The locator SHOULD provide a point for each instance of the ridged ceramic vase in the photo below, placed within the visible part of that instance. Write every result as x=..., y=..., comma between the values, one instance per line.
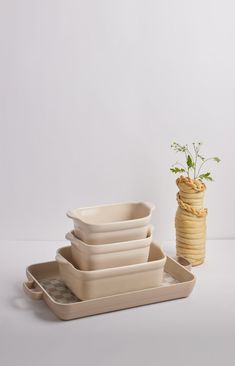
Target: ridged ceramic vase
x=190, y=220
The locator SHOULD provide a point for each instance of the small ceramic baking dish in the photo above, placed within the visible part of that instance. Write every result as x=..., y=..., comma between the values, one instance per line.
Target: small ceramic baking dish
x=92, y=257
x=106, y=282
x=112, y=223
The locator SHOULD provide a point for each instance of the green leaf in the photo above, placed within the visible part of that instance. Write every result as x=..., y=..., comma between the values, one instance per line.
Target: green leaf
x=216, y=159
x=177, y=170
x=190, y=162
x=206, y=176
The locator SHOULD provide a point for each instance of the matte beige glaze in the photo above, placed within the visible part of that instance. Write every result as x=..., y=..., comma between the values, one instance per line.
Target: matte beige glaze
x=92, y=257
x=38, y=272
x=111, y=281
x=112, y=223
x=190, y=229
x=184, y=262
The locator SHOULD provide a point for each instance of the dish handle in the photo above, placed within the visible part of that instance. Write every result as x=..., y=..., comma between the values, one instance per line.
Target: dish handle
x=71, y=215
x=150, y=205
x=30, y=290
x=69, y=236
x=60, y=259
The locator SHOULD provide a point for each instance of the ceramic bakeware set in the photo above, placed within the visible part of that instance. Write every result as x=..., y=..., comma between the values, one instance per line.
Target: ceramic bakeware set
x=112, y=263
x=93, y=257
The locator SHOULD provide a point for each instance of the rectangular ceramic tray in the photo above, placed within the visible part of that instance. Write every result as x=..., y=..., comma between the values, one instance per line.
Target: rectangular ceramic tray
x=44, y=282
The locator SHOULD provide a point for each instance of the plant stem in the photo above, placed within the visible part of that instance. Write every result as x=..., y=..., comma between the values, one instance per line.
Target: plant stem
x=187, y=166
x=196, y=150
x=200, y=167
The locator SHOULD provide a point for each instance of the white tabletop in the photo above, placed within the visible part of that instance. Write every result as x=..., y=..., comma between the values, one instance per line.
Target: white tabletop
x=197, y=330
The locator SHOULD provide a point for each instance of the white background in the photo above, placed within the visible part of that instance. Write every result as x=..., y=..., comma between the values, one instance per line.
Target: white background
x=92, y=95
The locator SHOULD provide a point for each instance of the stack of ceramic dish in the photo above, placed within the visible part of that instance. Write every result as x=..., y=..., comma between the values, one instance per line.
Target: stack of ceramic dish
x=111, y=251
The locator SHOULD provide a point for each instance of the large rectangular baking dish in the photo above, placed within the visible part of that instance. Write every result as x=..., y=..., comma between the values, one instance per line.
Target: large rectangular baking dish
x=112, y=223
x=92, y=257
x=89, y=285
x=44, y=282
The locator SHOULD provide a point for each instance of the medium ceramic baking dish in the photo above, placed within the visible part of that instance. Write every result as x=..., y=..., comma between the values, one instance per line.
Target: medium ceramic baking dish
x=111, y=281
x=112, y=223
x=92, y=257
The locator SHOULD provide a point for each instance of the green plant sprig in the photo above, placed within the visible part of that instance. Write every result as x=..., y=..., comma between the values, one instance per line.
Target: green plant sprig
x=193, y=168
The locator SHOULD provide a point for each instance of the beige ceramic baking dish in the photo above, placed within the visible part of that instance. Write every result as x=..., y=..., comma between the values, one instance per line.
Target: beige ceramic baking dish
x=112, y=223
x=92, y=257
x=111, y=281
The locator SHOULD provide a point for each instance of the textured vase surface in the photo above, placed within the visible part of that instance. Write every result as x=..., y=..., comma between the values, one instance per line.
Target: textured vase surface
x=190, y=220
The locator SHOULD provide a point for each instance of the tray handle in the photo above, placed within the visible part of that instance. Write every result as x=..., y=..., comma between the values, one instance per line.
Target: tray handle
x=29, y=289
x=184, y=262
